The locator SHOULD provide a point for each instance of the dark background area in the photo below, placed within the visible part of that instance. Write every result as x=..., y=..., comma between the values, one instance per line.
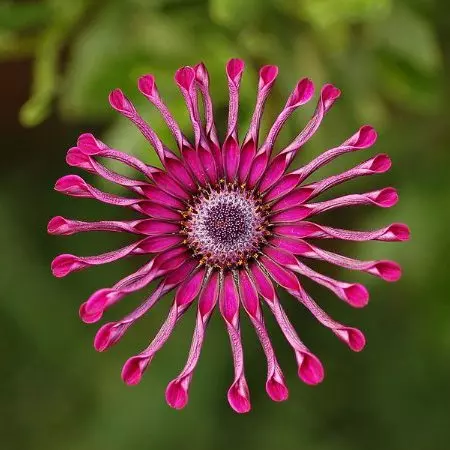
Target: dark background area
x=58, y=62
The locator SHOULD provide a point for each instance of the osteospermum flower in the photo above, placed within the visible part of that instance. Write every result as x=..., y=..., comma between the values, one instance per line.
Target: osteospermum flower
x=224, y=223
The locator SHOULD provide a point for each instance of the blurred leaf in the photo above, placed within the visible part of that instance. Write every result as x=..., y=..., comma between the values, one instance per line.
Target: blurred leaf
x=17, y=16
x=14, y=46
x=45, y=76
x=410, y=37
x=325, y=13
x=236, y=13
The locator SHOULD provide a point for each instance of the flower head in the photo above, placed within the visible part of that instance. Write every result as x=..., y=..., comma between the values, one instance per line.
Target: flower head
x=223, y=223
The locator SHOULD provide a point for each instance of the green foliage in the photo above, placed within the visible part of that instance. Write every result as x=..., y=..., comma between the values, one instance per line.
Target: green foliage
x=109, y=43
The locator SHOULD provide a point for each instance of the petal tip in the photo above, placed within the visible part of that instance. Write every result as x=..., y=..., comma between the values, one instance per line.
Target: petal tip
x=357, y=295
x=311, y=370
x=268, y=74
x=176, y=395
x=76, y=158
x=239, y=401
x=389, y=270
x=330, y=93
x=88, y=144
x=381, y=163
x=147, y=86
x=366, y=136
x=57, y=225
x=235, y=68
x=70, y=184
x=400, y=231
x=104, y=337
x=63, y=264
x=133, y=370
x=353, y=337
x=302, y=93
x=277, y=390
x=387, y=197
x=89, y=317
x=184, y=77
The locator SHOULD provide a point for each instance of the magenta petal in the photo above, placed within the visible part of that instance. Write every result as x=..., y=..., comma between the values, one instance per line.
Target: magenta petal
x=364, y=138
x=329, y=94
x=249, y=295
x=156, y=227
x=292, y=214
x=108, y=335
x=93, y=308
x=134, y=368
x=187, y=292
x=388, y=270
x=300, y=230
x=171, y=259
x=274, y=172
x=146, y=85
x=280, y=256
x=179, y=172
x=159, y=196
x=397, y=231
x=292, y=199
x=295, y=246
x=158, y=211
x=72, y=185
x=353, y=337
x=277, y=389
x=177, y=390
x=76, y=158
x=120, y=103
x=89, y=145
x=192, y=159
x=385, y=198
x=176, y=395
x=239, y=397
x=392, y=233
x=357, y=295
x=185, y=77
x=302, y=93
x=59, y=225
x=88, y=317
x=156, y=244
x=64, y=264
x=208, y=297
x=282, y=276
x=267, y=76
x=165, y=182
x=310, y=369
x=380, y=163
x=235, y=68
x=209, y=164
x=229, y=304
x=246, y=158
x=282, y=187
x=258, y=167
x=177, y=276
x=65, y=227
x=231, y=153
x=265, y=287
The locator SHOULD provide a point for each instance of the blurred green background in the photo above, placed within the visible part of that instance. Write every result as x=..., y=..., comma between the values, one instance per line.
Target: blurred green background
x=58, y=61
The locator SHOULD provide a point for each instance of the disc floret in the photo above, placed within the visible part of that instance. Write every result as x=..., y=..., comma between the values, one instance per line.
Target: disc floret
x=225, y=225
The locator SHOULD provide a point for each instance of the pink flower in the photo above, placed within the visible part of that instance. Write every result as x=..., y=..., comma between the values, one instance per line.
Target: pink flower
x=223, y=223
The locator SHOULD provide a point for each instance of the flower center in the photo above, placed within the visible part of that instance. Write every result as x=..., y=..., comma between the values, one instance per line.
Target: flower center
x=225, y=225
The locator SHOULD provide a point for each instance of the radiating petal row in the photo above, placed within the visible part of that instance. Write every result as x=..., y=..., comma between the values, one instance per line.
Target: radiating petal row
x=166, y=198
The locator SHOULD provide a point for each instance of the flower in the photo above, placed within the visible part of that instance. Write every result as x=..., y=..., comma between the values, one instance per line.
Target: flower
x=224, y=223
